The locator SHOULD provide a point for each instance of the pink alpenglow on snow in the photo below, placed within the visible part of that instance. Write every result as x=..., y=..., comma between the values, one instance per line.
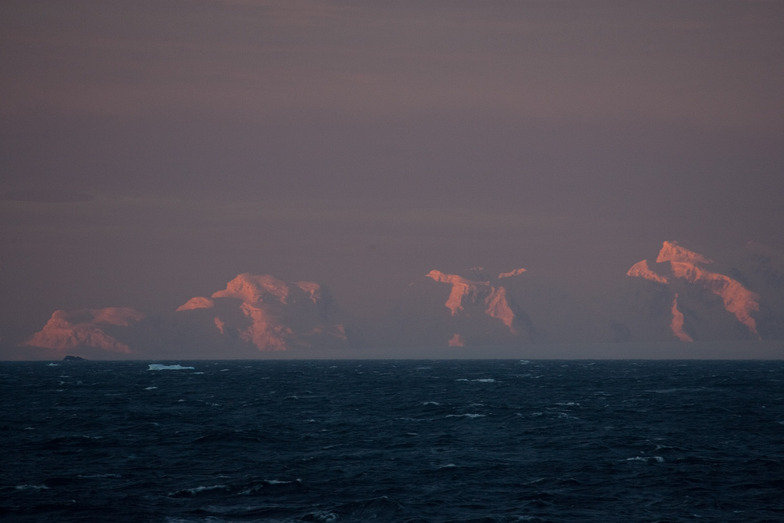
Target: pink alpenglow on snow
x=738, y=300
x=462, y=288
x=684, y=265
x=273, y=315
x=198, y=302
x=672, y=252
x=456, y=341
x=68, y=330
x=677, y=321
x=466, y=292
x=509, y=274
x=253, y=288
x=641, y=270
x=253, y=313
x=498, y=307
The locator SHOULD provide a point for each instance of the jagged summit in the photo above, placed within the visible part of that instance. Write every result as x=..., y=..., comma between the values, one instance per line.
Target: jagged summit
x=512, y=273
x=86, y=328
x=255, y=288
x=676, y=294
x=671, y=251
x=677, y=267
x=253, y=312
x=473, y=298
x=271, y=314
x=641, y=269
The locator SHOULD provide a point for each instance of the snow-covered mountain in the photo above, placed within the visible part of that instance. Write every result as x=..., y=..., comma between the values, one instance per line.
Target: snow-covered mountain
x=93, y=328
x=473, y=301
x=697, y=302
x=254, y=313
x=678, y=295
x=270, y=314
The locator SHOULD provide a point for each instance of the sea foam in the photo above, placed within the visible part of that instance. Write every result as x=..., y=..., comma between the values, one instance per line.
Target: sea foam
x=158, y=366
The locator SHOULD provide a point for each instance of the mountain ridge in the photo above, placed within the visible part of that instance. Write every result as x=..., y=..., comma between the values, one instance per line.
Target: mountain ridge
x=680, y=295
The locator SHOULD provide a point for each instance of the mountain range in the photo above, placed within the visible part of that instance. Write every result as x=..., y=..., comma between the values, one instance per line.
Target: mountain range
x=679, y=295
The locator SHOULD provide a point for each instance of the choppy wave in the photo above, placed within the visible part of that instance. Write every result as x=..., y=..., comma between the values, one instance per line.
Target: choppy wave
x=159, y=366
x=393, y=441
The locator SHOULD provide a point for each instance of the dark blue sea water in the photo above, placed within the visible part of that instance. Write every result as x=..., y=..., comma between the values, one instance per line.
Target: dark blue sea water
x=392, y=441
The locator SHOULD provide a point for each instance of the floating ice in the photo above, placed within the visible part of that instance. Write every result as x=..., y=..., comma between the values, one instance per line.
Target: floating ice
x=158, y=366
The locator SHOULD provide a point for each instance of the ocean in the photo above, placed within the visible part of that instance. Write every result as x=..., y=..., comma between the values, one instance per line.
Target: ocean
x=402, y=441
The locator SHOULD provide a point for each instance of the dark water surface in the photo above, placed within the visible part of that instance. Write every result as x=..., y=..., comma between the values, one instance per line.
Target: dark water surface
x=393, y=441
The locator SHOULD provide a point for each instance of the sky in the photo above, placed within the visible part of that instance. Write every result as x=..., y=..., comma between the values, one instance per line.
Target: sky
x=150, y=151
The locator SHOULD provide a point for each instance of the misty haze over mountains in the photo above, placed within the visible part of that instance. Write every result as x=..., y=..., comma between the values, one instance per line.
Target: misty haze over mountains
x=677, y=296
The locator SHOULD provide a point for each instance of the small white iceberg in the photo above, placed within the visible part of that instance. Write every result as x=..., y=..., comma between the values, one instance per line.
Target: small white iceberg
x=158, y=366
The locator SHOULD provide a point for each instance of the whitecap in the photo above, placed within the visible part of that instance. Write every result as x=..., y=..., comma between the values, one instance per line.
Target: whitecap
x=327, y=517
x=467, y=415
x=269, y=482
x=150, y=388
x=646, y=459
x=280, y=481
x=31, y=487
x=198, y=490
x=158, y=366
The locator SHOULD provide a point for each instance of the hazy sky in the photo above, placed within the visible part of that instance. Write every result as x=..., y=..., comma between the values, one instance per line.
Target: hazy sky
x=152, y=150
